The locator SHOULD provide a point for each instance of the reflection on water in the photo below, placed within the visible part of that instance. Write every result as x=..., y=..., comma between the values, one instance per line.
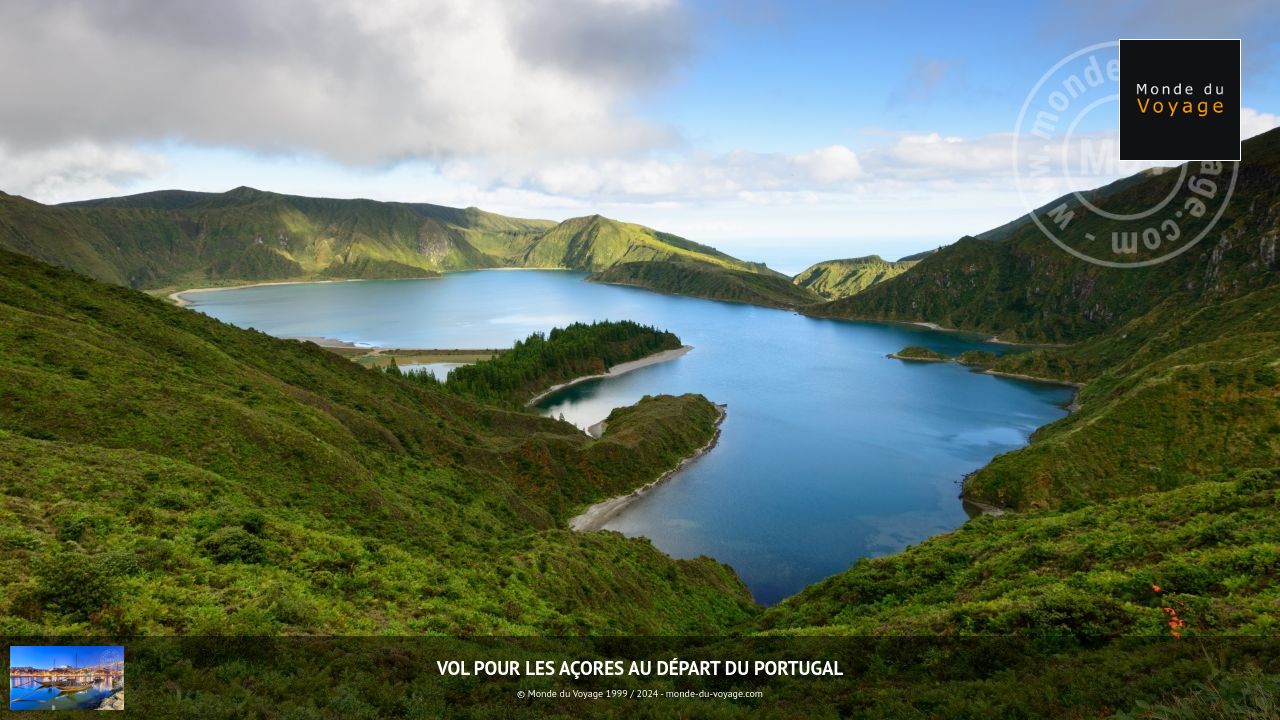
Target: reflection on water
x=830, y=451
x=30, y=693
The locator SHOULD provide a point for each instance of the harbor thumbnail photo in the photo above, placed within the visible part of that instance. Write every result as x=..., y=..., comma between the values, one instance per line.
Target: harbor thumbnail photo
x=66, y=677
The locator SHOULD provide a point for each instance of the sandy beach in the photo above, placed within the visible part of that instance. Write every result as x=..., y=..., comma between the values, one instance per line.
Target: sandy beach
x=594, y=517
x=619, y=369
x=177, y=297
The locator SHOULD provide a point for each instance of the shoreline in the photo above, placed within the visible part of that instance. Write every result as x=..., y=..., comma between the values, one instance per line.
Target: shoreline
x=176, y=296
x=619, y=369
x=788, y=308
x=597, y=431
x=114, y=701
x=983, y=509
x=988, y=338
x=595, y=516
x=180, y=301
x=907, y=358
x=1072, y=406
x=328, y=342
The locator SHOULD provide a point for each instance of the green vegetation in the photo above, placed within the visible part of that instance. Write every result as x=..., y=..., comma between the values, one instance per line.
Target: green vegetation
x=542, y=360
x=165, y=473
x=1166, y=477
x=1211, y=547
x=596, y=243
x=714, y=282
x=916, y=352
x=1014, y=283
x=978, y=358
x=834, y=279
x=1170, y=399
x=177, y=239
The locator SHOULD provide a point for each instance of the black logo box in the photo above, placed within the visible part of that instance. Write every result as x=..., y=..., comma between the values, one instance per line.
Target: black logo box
x=1185, y=67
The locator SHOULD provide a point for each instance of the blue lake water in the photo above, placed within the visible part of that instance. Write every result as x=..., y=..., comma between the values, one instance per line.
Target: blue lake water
x=830, y=451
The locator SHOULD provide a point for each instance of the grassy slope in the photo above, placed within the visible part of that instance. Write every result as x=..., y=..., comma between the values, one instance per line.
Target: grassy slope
x=705, y=280
x=1179, y=360
x=1212, y=547
x=1174, y=396
x=178, y=238
x=1168, y=475
x=216, y=480
x=595, y=243
x=832, y=279
x=1025, y=288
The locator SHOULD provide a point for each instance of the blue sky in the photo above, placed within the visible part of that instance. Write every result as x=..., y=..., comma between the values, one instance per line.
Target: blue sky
x=782, y=131
x=48, y=656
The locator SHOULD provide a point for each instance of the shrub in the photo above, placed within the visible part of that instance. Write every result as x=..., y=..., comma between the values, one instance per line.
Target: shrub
x=153, y=554
x=74, y=584
x=233, y=544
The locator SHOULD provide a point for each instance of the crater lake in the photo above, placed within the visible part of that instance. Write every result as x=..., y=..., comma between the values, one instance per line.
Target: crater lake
x=829, y=452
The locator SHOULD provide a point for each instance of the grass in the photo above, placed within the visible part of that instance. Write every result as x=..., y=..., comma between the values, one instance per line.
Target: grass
x=212, y=480
x=177, y=240
x=705, y=280
x=834, y=279
x=165, y=473
x=1015, y=284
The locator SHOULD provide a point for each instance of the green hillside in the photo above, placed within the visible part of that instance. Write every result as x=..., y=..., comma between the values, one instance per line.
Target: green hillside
x=1180, y=361
x=595, y=243
x=1071, y=574
x=1173, y=397
x=832, y=279
x=706, y=280
x=1148, y=512
x=177, y=238
x=166, y=473
x=1025, y=288
x=545, y=360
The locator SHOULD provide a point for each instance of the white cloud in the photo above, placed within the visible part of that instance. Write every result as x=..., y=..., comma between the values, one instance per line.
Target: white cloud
x=360, y=82
x=692, y=177
x=1253, y=122
x=75, y=170
x=829, y=165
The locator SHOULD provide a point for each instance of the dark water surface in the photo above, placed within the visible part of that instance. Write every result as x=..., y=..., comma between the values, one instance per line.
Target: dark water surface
x=830, y=451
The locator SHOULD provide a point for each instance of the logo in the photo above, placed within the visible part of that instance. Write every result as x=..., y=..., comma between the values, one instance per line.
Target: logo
x=1110, y=212
x=1180, y=99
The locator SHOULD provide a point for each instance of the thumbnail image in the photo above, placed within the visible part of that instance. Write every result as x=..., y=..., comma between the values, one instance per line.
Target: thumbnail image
x=66, y=677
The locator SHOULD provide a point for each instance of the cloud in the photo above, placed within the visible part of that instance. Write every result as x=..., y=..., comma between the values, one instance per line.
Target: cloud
x=362, y=83
x=829, y=165
x=75, y=170
x=1253, y=122
x=693, y=177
